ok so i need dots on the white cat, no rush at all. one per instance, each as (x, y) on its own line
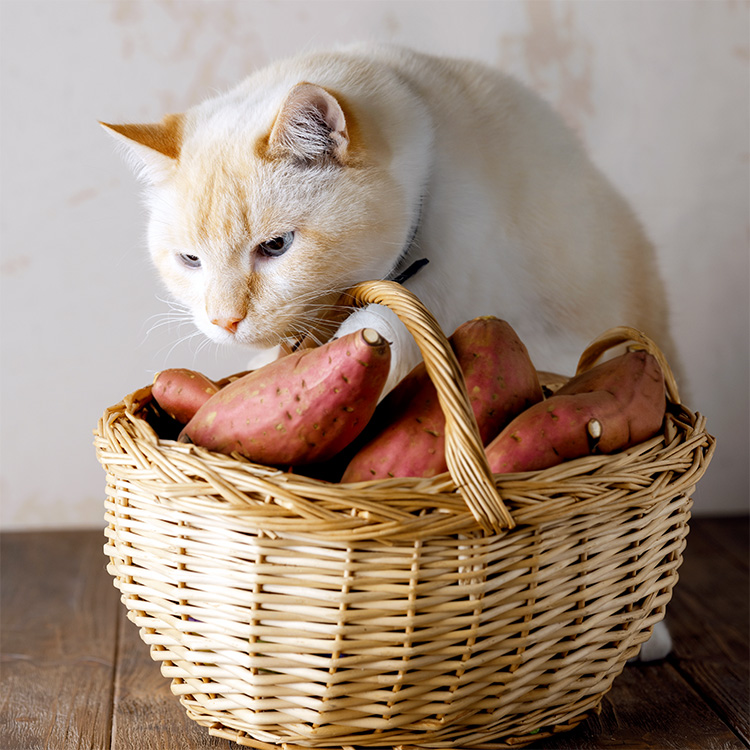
(337, 167)
(332, 168)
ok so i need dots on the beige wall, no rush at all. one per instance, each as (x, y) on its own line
(658, 90)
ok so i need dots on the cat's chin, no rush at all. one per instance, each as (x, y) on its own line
(256, 351)
(257, 354)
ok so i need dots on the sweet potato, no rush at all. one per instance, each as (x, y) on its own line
(181, 392)
(611, 407)
(410, 441)
(625, 376)
(302, 408)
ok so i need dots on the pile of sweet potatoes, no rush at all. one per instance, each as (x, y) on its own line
(319, 412)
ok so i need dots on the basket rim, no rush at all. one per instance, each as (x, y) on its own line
(271, 499)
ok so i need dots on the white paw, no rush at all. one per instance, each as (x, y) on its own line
(658, 646)
(261, 357)
(404, 351)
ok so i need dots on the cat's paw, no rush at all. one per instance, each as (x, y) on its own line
(404, 351)
(657, 647)
(261, 357)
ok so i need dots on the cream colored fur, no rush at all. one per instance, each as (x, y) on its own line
(352, 150)
(514, 218)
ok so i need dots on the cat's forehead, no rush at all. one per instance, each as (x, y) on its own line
(226, 195)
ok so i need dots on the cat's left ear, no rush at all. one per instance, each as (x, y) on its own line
(154, 148)
(310, 125)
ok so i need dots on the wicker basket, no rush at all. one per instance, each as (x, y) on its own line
(463, 611)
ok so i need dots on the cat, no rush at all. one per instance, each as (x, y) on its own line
(335, 167)
(376, 161)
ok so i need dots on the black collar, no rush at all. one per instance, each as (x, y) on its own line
(400, 276)
(408, 272)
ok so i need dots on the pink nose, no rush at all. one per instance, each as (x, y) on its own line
(228, 324)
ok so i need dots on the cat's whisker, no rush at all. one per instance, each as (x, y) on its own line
(205, 343)
(178, 315)
(172, 303)
(169, 323)
(180, 311)
(319, 330)
(183, 340)
(162, 320)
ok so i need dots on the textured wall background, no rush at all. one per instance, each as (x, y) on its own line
(658, 91)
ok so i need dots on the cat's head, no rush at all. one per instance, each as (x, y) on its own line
(261, 215)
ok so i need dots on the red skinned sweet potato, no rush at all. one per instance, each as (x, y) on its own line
(626, 377)
(611, 407)
(410, 438)
(300, 409)
(181, 392)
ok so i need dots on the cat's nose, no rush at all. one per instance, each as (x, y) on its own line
(228, 324)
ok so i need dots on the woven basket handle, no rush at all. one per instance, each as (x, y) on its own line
(637, 340)
(464, 452)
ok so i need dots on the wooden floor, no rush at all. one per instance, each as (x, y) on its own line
(76, 675)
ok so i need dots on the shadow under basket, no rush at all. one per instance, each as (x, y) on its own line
(466, 610)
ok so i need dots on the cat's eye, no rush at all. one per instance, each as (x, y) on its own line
(276, 245)
(190, 261)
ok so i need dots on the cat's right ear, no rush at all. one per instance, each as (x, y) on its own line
(310, 125)
(153, 149)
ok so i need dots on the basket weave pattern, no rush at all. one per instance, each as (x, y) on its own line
(292, 612)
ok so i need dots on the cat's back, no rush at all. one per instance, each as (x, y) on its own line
(478, 118)
(383, 87)
(397, 93)
(379, 71)
(504, 157)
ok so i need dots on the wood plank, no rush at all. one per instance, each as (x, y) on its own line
(709, 613)
(650, 706)
(59, 625)
(701, 693)
(146, 714)
(730, 534)
(709, 617)
(724, 685)
(70, 657)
